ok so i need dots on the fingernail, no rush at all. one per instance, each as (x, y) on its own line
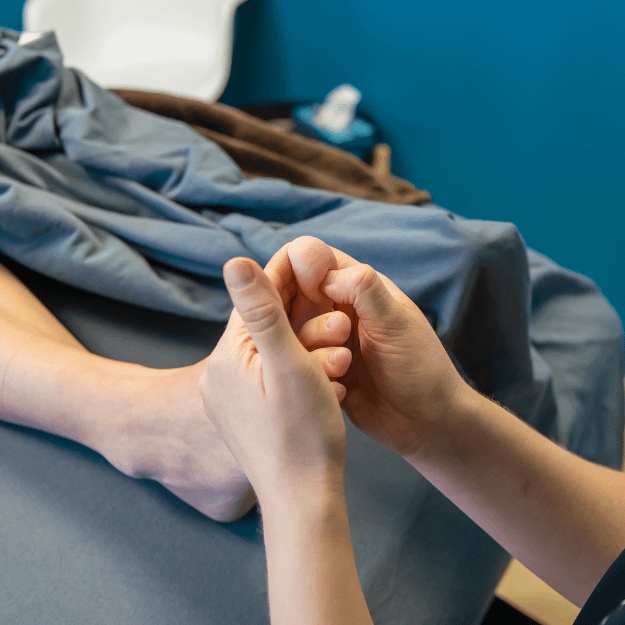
(239, 275)
(332, 322)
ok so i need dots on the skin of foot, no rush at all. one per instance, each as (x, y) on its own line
(165, 435)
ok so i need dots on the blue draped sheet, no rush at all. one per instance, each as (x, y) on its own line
(142, 209)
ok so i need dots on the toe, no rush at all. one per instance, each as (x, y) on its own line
(334, 360)
(330, 329)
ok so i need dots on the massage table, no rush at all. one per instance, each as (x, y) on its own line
(82, 544)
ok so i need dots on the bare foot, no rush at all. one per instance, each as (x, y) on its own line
(166, 436)
(162, 431)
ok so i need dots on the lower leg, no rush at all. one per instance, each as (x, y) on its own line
(146, 422)
(23, 310)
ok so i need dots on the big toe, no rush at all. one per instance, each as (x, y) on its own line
(311, 260)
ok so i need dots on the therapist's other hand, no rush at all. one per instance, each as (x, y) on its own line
(269, 398)
(401, 382)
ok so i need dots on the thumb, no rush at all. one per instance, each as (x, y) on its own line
(261, 308)
(360, 286)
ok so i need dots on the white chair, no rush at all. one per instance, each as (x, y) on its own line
(182, 47)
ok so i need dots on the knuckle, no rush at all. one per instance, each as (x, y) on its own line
(262, 317)
(365, 276)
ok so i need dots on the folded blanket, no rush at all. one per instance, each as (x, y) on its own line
(141, 208)
(262, 149)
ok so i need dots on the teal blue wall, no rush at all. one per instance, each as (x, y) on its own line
(11, 14)
(505, 111)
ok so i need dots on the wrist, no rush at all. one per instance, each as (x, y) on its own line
(311, 569)
(290, 517)
(465, 402)
(304, 497)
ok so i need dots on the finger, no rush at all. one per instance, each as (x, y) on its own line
(315, 259)
(300, 250)
(345, 260)
(333, 328)
(310, 259)
(361, 287)
(342, 360)
(340, 391)
(260, 307)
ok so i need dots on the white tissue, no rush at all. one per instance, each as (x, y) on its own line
(25, 37)
(338, 111)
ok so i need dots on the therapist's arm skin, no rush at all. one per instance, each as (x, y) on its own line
(312, 574)
(561, 516)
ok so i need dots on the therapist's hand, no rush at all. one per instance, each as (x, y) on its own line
(270, 399)
(401, 382)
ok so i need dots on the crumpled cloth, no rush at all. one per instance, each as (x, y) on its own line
(262, 149)
(141, 208)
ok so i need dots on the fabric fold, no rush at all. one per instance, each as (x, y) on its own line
(262, 149)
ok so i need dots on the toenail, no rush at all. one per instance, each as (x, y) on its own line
(332, 358)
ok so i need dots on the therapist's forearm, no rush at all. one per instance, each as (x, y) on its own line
(560, 515)
(310, 562)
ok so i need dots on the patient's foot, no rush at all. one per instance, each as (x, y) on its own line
(160, 429)
(166, 436)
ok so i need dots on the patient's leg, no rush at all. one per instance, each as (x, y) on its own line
(146, 422)
(21, 308)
